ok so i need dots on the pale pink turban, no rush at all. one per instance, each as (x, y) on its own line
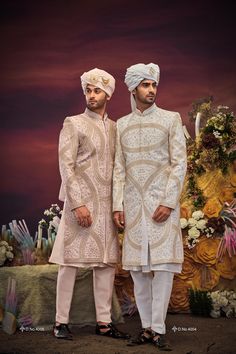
(98, 78)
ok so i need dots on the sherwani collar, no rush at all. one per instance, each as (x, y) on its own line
(147, 111)
(94, 115)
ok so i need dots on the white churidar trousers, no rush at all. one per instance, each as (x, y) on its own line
(152, 294)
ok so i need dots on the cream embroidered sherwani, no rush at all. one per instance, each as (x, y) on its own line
(149, 171)
(86, 157)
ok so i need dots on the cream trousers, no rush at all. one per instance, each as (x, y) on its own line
(103, 282)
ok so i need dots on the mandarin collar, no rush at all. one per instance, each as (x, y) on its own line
(147, 111)
(92, 114)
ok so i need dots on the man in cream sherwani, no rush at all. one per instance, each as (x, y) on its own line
(149, 170)
(86, 236)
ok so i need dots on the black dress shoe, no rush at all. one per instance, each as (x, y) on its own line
(62, 331)
(112, 331)
(144, 337)
(159, 342)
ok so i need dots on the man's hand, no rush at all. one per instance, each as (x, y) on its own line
(119, 219)
(83, 216)
(161, 213)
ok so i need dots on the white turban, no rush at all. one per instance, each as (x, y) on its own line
(98, 78)
(139, 72)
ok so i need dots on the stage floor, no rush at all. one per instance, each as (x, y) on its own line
(194, 335)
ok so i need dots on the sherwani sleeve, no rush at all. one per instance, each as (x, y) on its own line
(68, 151)
(118, 175)
(178, 164)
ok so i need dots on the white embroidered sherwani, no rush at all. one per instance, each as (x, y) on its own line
(86, 158)
(149, 171)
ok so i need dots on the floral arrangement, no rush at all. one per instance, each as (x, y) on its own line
(198, 225)
(50, 224)
(223, 303)
(52, 216)
(223, 226)
(213, 303)
(212, 148)
(5, 252)
(17, 241)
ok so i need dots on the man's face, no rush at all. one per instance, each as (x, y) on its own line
(95, 97)
(146, 92)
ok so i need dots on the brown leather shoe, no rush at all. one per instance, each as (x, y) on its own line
(62, 331)
(111, 332)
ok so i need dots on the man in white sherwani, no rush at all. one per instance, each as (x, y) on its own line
(149, 171)
(86, 235)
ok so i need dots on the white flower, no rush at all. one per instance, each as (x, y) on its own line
(2, 250)
(46, 212)
(9, 255)
(209, 231)
(183, 223)
(42, 222)
(5, 252)
(222, 107)
(191, 242)
(3, 243)
(194, 232)
(215, 313)
(224, 301)
(201, 224)
(2, 259)
(217, 134)
(197, 215)
(192, 222)
(55, 222)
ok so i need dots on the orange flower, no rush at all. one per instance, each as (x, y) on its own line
(212, 207)
(206, 250)
(209, 278)
(226, 195)
(179, 300)
(232, 174)
(210, 182)
(189, 269)
(227, 267)
(185, 210)
(189, 253)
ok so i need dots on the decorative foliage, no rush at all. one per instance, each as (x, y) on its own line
(22, 235)
(202, 105)
(212, 148)
(200, 302)
(18, 242)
